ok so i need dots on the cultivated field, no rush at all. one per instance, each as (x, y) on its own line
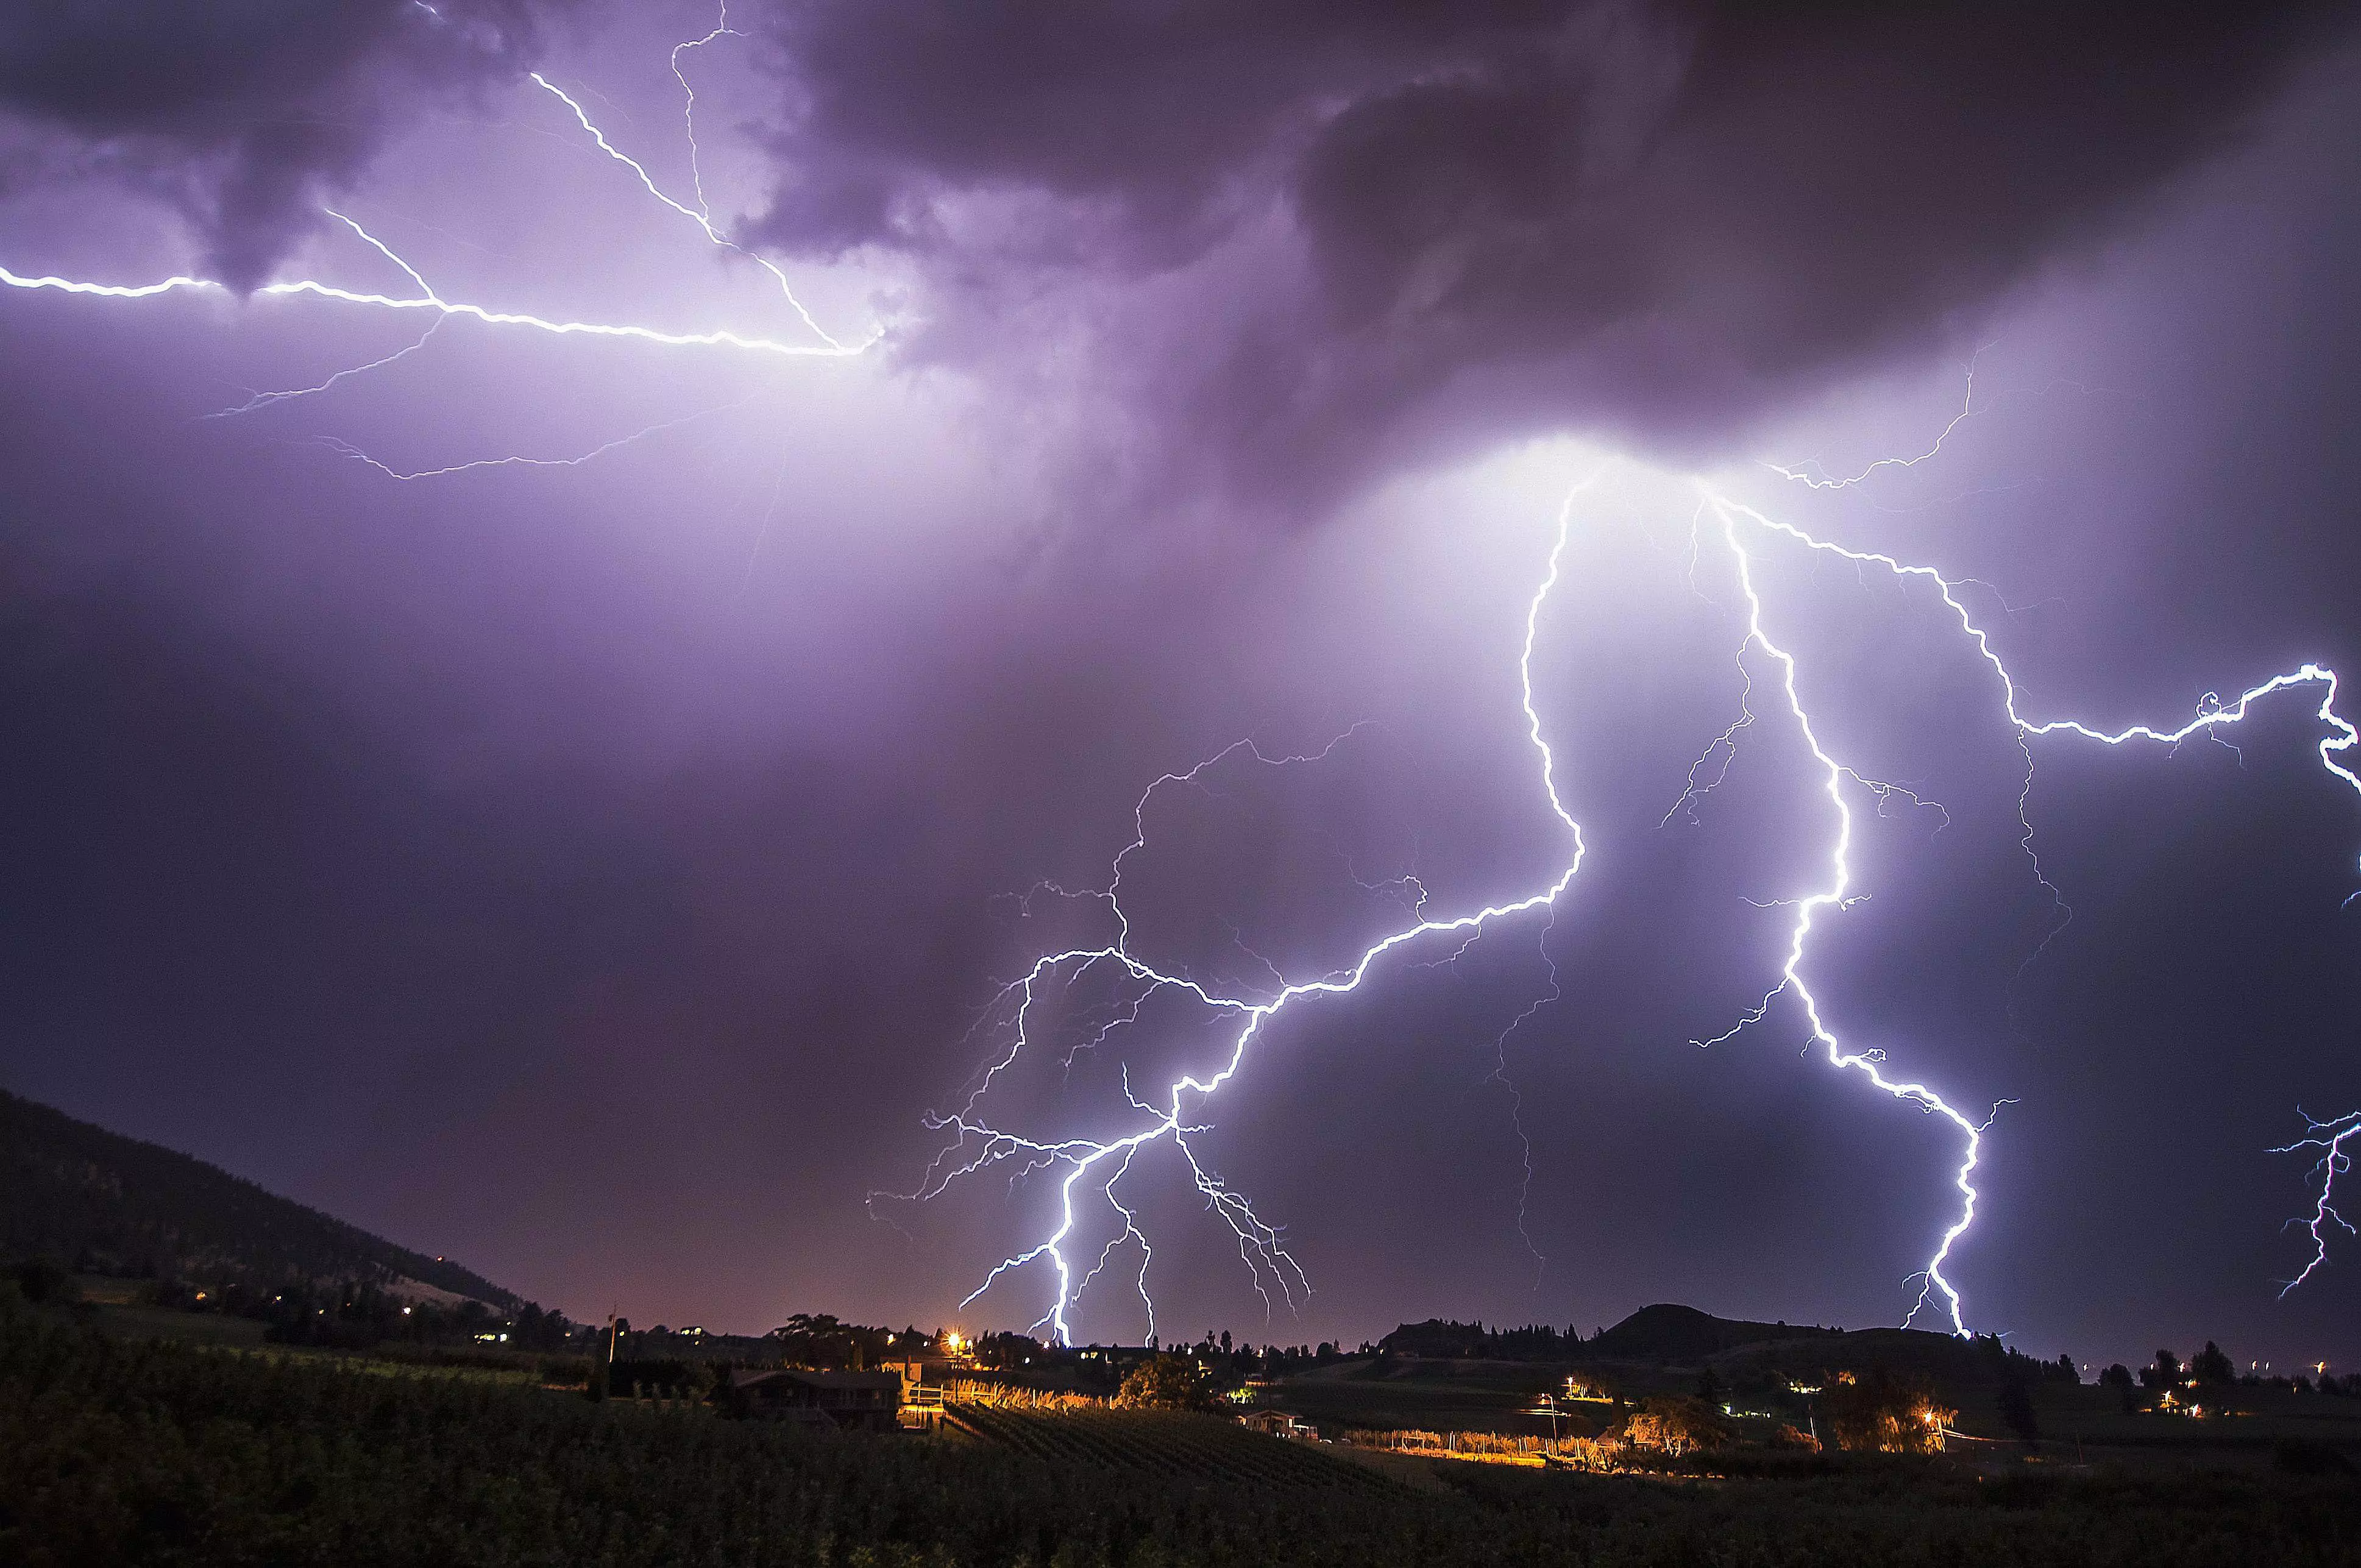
(1201, 1448)
(120, 1451)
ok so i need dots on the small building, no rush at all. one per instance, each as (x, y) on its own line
(1278, 1423)
(860, 1401)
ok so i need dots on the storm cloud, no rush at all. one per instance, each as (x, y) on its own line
(1389, 232)
(1290, 248)
(240, 116)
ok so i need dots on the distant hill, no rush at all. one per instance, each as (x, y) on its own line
(1669, 1333)
(101, 1202)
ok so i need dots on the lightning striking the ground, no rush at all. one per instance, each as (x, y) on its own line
(1093, 1169)
(2211, 717)
(1100, 1165)
(978, 1142)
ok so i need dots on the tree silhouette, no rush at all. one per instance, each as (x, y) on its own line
(2016, 1410)
(2210, 1365)
(1165, 1383)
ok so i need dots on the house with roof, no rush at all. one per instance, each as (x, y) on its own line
(859, 1401)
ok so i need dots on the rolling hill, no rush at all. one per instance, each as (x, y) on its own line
(103, 1203)
(1670, 1332)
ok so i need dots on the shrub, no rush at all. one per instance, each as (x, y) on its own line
(1676, 1424)
(1166, 1383)
(1884, 1413)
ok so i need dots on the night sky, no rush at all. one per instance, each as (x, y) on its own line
(597, 868)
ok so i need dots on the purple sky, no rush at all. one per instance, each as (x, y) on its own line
(594, 871)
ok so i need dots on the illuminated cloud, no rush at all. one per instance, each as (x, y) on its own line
(242, 117)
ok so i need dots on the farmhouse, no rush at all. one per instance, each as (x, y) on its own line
(865, 1401)
(1278, 1423)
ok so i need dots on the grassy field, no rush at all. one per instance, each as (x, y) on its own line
(115, 1450)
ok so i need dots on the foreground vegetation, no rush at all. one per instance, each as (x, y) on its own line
(115, 1451)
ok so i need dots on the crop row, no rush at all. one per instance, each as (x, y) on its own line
(1200, 1447)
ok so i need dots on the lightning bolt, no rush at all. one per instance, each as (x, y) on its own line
(1500, 1075)
(2213, 716)
(1804, 474)
(721, 29)
(346, 449)
(1762, 662)
(1101, 1164)
(428, 299)
(1833, 895)
(2329, 1139)
(820, 343)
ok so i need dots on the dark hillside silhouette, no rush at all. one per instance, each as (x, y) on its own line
(103, 1203)
(1668, 1332)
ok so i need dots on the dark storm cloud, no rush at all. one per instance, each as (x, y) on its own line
(243, 113)
(1658, 219)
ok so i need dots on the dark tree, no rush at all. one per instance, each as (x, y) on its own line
(2066, 1364)
(2016, 1410)
(44, 1279)
(2210, 1365)
(1166, 1383)
(2119, 1378)
(2164, 1372)
(1708, 1388)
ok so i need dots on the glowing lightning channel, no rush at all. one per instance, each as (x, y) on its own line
(346, 449)
(1259, 1243)
(2329, 1139)
(1834, 895)
(1500, 1075)
(2213, 716)
(700, 219)
(427, 298)
(1823, 482)
(721, 29)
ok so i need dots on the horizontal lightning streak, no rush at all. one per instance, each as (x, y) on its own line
(430, 301)
(427, 298)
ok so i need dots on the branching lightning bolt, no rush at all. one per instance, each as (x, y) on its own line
(2329, 1139)
(1824, 481)
(1834, 895)
(822, 344)
(2213, 716)
(427, 299)
(1103, 1163)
